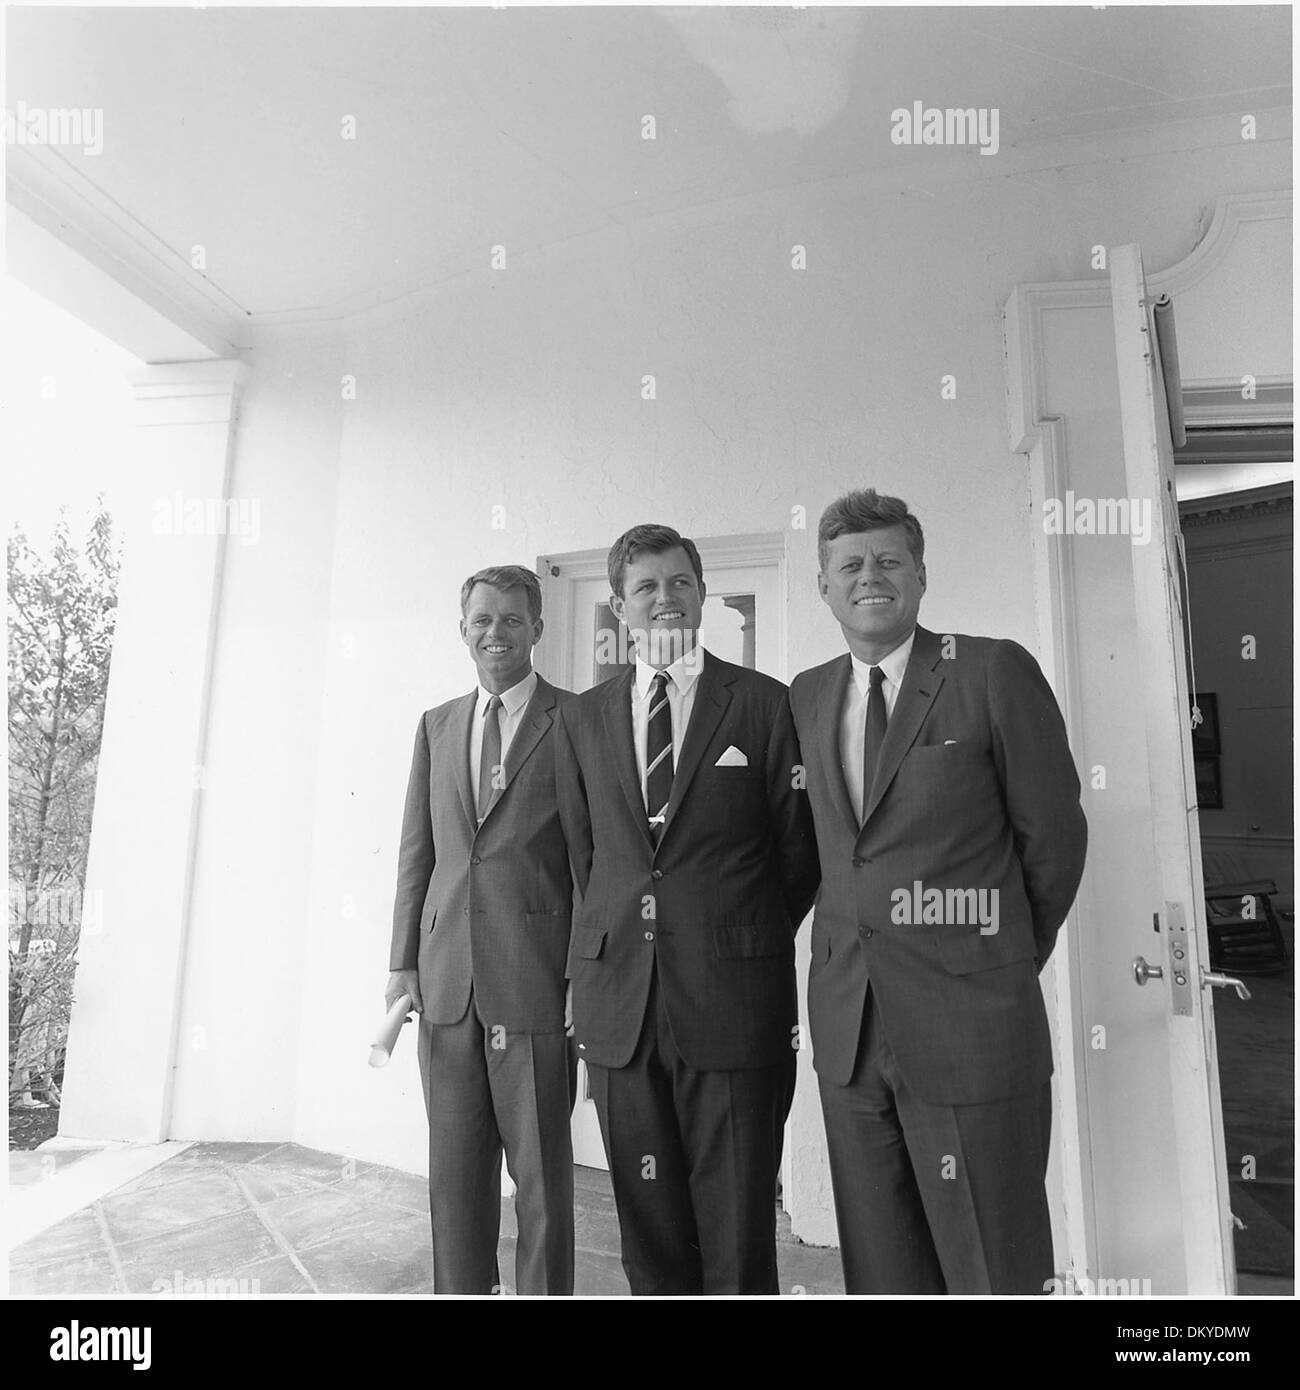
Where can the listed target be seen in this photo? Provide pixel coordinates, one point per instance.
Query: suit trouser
(694, 1157)
(482, 1099)
(935, 1198)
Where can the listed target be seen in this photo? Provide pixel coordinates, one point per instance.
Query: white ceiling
(523, 126)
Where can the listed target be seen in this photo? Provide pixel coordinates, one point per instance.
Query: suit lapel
(458, 727)
(532, 728)
(921, 683)
(830, 711)
(617, 718)
(712, 696)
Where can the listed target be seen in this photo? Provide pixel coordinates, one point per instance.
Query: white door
(743, 622)
(1172, 894)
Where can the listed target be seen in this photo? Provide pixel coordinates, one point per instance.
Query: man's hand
(402, 982)
(568, 1008)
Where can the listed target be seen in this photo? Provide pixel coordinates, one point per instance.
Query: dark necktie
(489, 764)
(875, 734)
(658, 755)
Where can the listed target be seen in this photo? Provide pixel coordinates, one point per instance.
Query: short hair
(505, 577)
(867, 510)
(654, 539)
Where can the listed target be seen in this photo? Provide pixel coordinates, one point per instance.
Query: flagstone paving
(270, 1219)
(282, 1219)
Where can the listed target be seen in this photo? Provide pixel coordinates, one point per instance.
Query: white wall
(521, 389)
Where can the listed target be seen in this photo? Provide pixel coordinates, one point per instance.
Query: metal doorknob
(1142, 972)
(1216, 977)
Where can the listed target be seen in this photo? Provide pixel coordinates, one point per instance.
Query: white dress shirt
(853, 721)
(513, 703)
(682, 677)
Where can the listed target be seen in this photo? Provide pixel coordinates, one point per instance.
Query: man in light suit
(952, 843)
(692, 847)
(480, 936)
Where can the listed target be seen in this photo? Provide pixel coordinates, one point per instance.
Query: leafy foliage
(62, 610)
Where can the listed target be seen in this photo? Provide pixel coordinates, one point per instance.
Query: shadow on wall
(784, 70)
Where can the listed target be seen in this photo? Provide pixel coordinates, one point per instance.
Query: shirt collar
(684, 672)
(513, 700)
(893, 665)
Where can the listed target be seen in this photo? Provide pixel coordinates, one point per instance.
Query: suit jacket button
(656, 873)
(476, 860)
(866, 931)
(649, 936)
(858, 862)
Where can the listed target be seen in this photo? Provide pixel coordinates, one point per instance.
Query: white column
(122, 1039)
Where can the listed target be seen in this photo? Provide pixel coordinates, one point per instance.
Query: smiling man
(480, 937)
(934, 763)
(691, 841)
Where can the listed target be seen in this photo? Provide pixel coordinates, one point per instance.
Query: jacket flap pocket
(738, 943)
(588, 942)
(965, 951)
(541, 921)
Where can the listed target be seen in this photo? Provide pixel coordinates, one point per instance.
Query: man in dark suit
(480, 936)
(952, 842)
(691, 840)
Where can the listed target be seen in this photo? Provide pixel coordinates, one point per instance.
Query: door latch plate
(1180, 970)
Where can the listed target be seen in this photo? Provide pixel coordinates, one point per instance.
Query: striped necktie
(658, 755)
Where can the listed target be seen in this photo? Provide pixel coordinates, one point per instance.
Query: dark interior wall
(1239, 553)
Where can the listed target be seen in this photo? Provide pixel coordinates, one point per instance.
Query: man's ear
(822, 587)
(537, 632)
(464, 634)
(920, 574)
(703, 591)
(616, 606)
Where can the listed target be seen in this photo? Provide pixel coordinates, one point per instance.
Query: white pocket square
(733, 757)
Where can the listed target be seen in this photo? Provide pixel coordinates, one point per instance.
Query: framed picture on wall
(1205, 735)
(1209, 791)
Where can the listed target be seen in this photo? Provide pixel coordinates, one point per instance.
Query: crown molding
(1229, 508)
(1214, 402)
(189, 393)
(1220, 404)
(1229, 216)
(45, 186)
(54, 191)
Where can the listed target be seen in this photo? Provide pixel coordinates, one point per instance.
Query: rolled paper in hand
(382, 1047)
